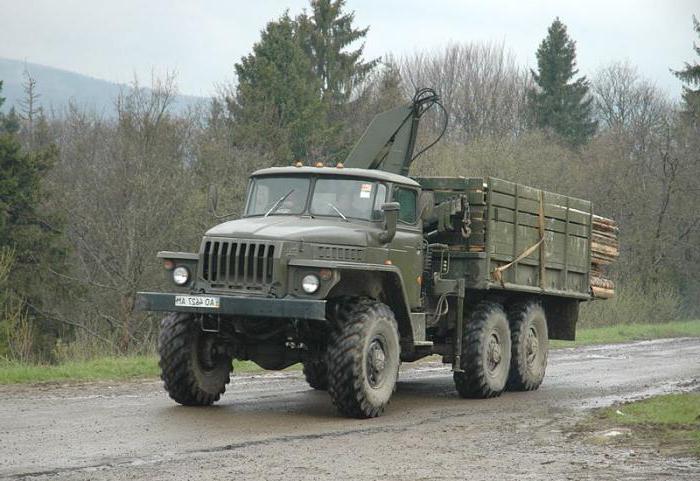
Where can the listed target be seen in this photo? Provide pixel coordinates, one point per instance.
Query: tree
(29, 105)
(8, 123)
(28, 228)
(295, 90)
(326, 33)
(558, 102)
(128, 188)
(480, 84)
(277, 104)
(691, 75)
(629, 105)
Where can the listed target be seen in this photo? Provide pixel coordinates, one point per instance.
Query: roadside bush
(634, 303)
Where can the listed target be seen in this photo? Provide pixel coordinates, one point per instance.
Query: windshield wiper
(278, 203)
(338, 211)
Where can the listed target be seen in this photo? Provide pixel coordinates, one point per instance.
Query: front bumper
(238, 306)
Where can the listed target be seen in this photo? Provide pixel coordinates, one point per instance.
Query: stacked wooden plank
(605, 248)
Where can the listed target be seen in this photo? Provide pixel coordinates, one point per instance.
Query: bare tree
(127, 183)
(30, 109)
(625, 101)
(482, 87)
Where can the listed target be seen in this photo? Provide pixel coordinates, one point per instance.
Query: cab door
(406, 249)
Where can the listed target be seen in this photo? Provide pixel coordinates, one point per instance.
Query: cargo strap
(497, 273)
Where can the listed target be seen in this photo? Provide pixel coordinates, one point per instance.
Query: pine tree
(27, 228)
(8, 123)
(558, 102)
(277, 104)
(691, 75)
(326, 34)
(293, 94)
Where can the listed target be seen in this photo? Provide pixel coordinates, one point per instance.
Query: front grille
(235, 264)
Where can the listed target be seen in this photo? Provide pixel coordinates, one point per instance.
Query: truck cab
(330, 215)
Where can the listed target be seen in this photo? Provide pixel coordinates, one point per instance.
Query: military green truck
(354, 268)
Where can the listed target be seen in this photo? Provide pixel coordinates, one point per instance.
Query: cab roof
(336, 171)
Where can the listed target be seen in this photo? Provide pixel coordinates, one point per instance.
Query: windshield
(351, 198)
(333, 196)
(278, 195)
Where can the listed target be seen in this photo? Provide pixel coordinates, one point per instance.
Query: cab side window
(407, 200)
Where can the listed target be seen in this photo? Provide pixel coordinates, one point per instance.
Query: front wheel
(363, 357)
(194, 367)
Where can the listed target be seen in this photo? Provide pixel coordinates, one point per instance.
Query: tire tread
(175, 348)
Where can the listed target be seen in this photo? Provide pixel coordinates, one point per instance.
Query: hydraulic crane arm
(390, 139)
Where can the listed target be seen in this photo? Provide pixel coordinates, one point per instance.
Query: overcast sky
(201, 40)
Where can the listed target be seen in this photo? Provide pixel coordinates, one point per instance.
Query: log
(598, 281)
(602, 293)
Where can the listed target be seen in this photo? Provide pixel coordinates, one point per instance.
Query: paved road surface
(273, 426)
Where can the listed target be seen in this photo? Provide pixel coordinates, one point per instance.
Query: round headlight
(181, 275)
(310, 284)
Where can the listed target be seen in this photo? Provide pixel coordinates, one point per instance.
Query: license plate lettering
(211, 302)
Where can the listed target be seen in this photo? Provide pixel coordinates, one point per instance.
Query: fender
(392, 283)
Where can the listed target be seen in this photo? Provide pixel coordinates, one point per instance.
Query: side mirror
(213, 199)
(391, 217)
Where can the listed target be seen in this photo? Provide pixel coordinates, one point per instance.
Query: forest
(87, 199)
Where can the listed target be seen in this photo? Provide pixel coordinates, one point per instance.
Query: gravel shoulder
(273, 426)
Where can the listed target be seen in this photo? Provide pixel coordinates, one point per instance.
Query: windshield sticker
(365, 191)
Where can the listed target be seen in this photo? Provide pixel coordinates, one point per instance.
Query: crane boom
(389, 140)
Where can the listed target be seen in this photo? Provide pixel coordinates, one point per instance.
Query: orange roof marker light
(388, 262)
(319, 164)
(339, 165)
(299, 163)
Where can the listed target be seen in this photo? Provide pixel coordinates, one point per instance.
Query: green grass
(631, 332)
(145, 367)
(669, 423)
(107, 368)
(671, 409)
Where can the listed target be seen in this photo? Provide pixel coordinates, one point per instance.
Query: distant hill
(57, 87)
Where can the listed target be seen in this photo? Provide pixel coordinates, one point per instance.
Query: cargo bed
(522, 238)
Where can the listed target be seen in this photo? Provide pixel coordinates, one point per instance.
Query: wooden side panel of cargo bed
(513, 226)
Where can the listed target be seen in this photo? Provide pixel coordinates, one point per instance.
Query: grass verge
(106, 368)
(631, 332)
(669, 424)
(142, 367)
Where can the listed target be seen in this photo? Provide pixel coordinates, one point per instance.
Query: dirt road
(273, 426)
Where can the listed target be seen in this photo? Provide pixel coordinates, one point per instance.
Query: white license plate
(197, 301)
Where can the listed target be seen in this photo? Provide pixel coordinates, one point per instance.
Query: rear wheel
(530, 344)
(486, 353)
(363, 357)
(194, 367)
(316, 374)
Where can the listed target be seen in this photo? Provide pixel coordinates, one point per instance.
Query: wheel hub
(376, 363)
(494, 355)
(532, 346)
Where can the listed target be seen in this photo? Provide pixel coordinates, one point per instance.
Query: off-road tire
(363, 357)
(530, 344)
(187, 379)
(316, 374)
(486, 353)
